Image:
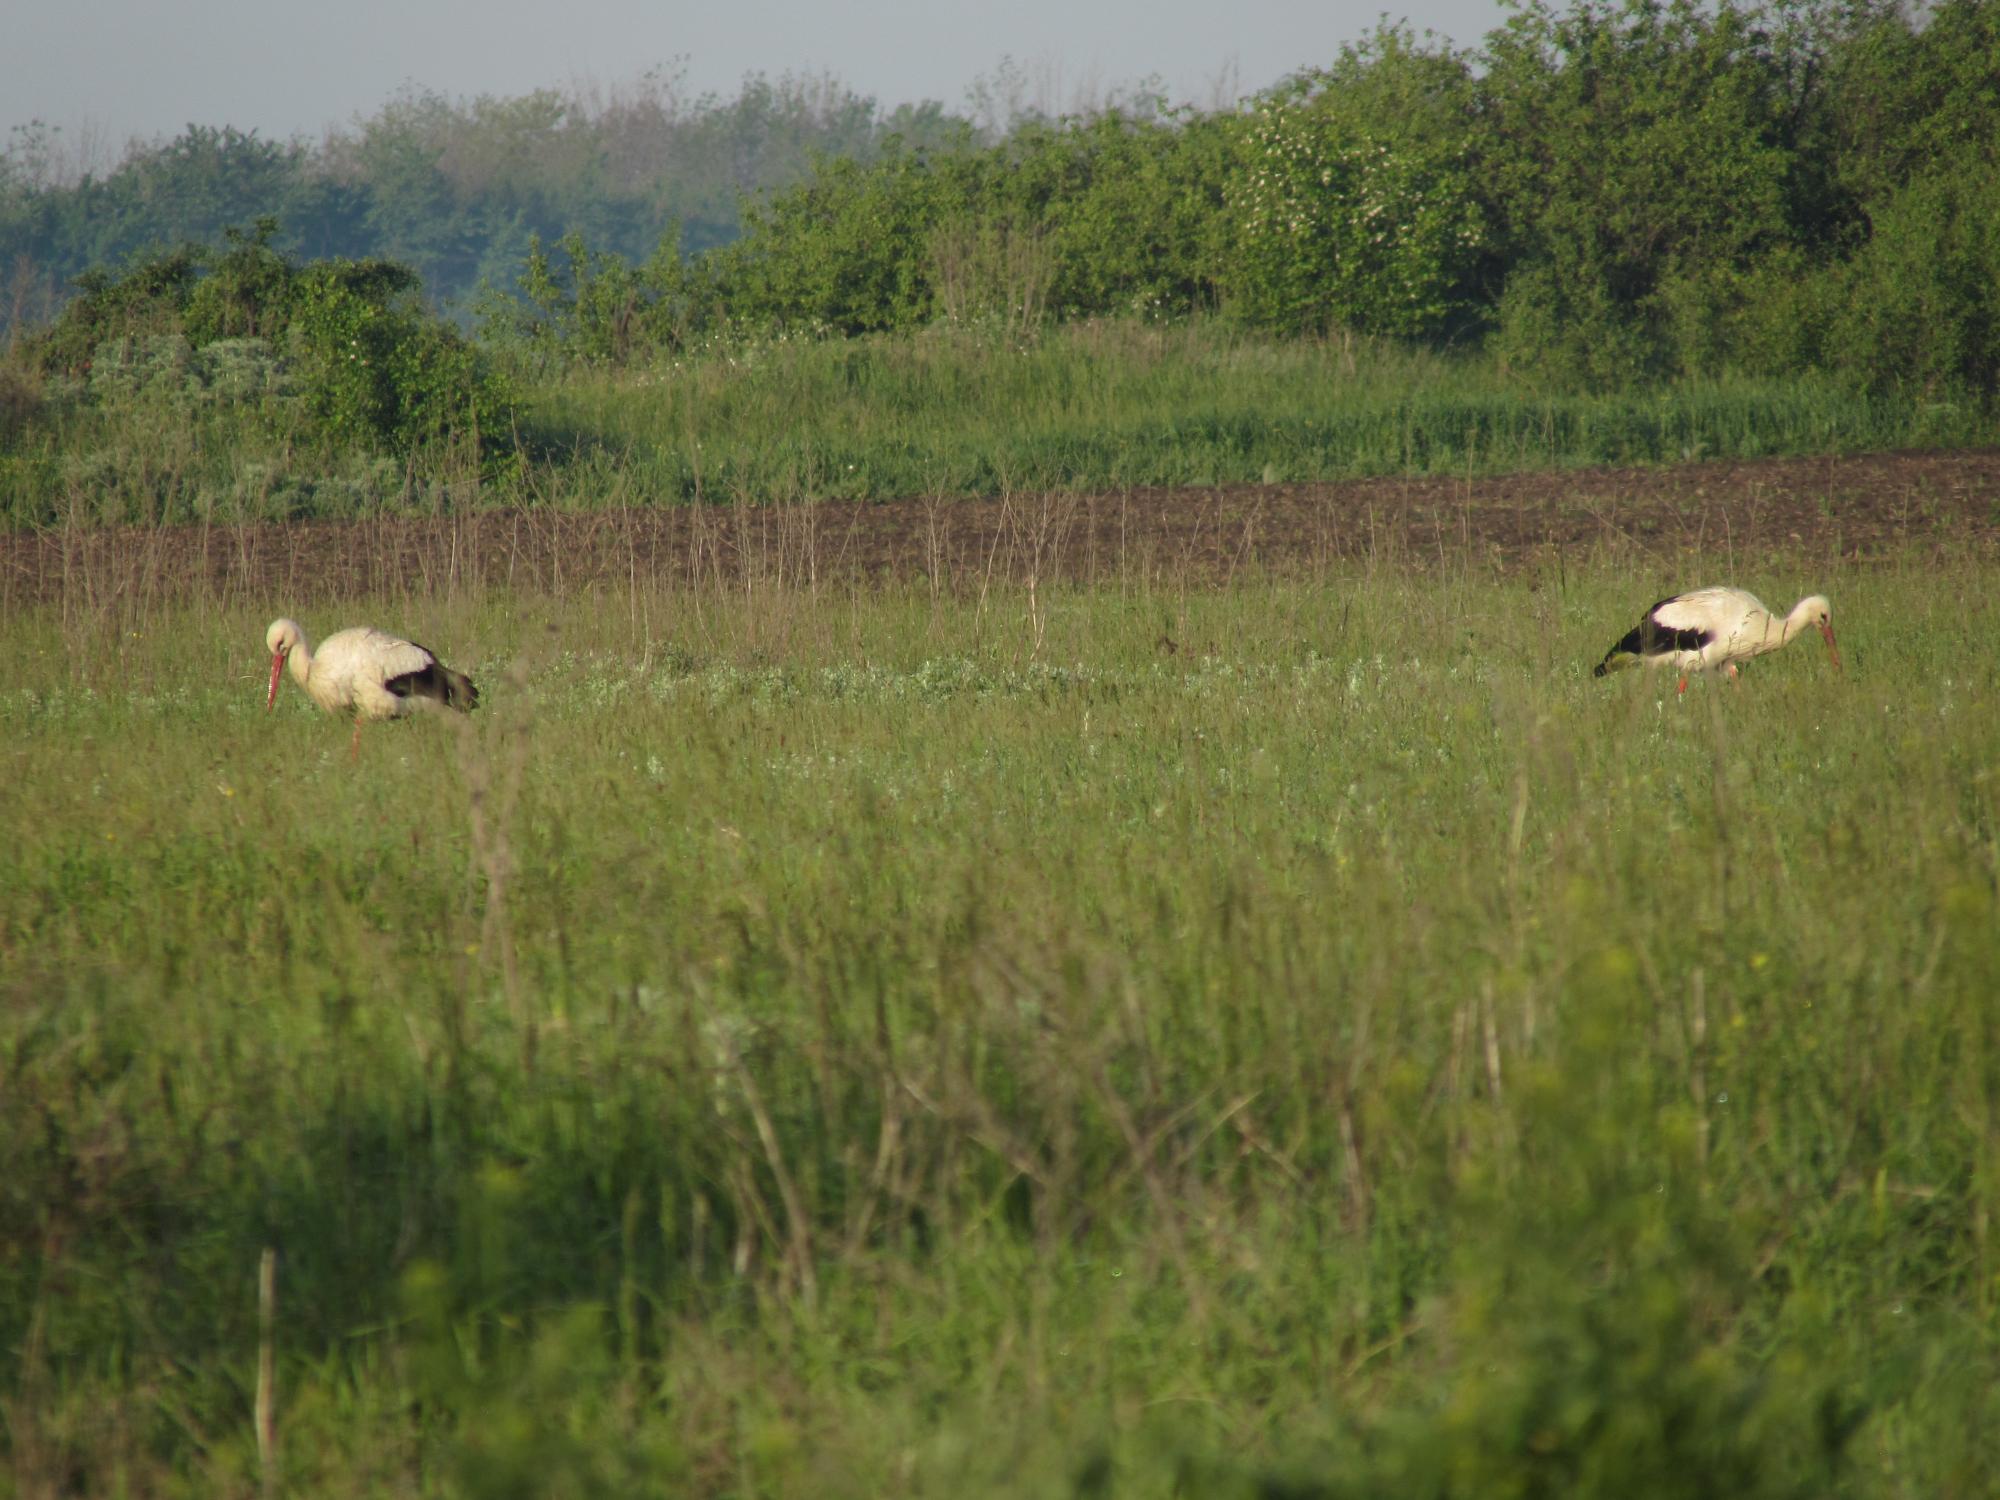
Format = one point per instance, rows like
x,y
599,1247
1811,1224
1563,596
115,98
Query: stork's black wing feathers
x,y
437,682
1651,638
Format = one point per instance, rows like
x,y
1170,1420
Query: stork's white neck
x,y
299,660
1799,618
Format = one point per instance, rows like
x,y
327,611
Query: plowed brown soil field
x,y
1859,508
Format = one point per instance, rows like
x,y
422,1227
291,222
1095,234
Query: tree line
x,y
454,189
1615,190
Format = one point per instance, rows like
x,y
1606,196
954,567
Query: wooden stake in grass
x,y
267,1369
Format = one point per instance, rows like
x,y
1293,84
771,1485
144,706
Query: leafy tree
x,y
455,189
1352,201
1905,90
841,252
1916,307
1628,143
595,307
1132,203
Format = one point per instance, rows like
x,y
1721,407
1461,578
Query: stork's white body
x,y
366,672
349,672
1713,628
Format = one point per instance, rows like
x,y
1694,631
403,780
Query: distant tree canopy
x,y
454,190
1620,189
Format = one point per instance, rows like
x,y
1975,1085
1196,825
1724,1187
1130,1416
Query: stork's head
x,y
1817,610
280,640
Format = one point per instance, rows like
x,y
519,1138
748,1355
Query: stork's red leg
x,y
354,745
1682,689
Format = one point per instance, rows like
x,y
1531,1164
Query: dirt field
x,y
1860,507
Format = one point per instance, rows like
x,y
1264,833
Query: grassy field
x,y
1291,1039
943,412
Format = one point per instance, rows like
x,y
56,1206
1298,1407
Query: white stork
x,y
366,672
1710,628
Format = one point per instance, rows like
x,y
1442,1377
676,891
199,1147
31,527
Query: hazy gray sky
x,y
105,70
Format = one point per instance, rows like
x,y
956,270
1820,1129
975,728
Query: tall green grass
x,y
157,460
1307,1038
942,412
1106,406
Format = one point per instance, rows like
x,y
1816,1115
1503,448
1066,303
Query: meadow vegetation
x,y
1299,1038
977,1035
164,432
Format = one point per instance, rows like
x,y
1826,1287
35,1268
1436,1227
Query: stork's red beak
x,y
277,666
1826,629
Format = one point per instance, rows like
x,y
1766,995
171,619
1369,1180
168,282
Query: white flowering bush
x,y
1337,229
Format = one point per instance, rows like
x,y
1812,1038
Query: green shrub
x,y
166,368
1606,192
1132,209
1340,231
1352,201
1916,307
592,307
20,398
247,292
844,251
148,299
1563,327
347,345
1624,142
379,371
